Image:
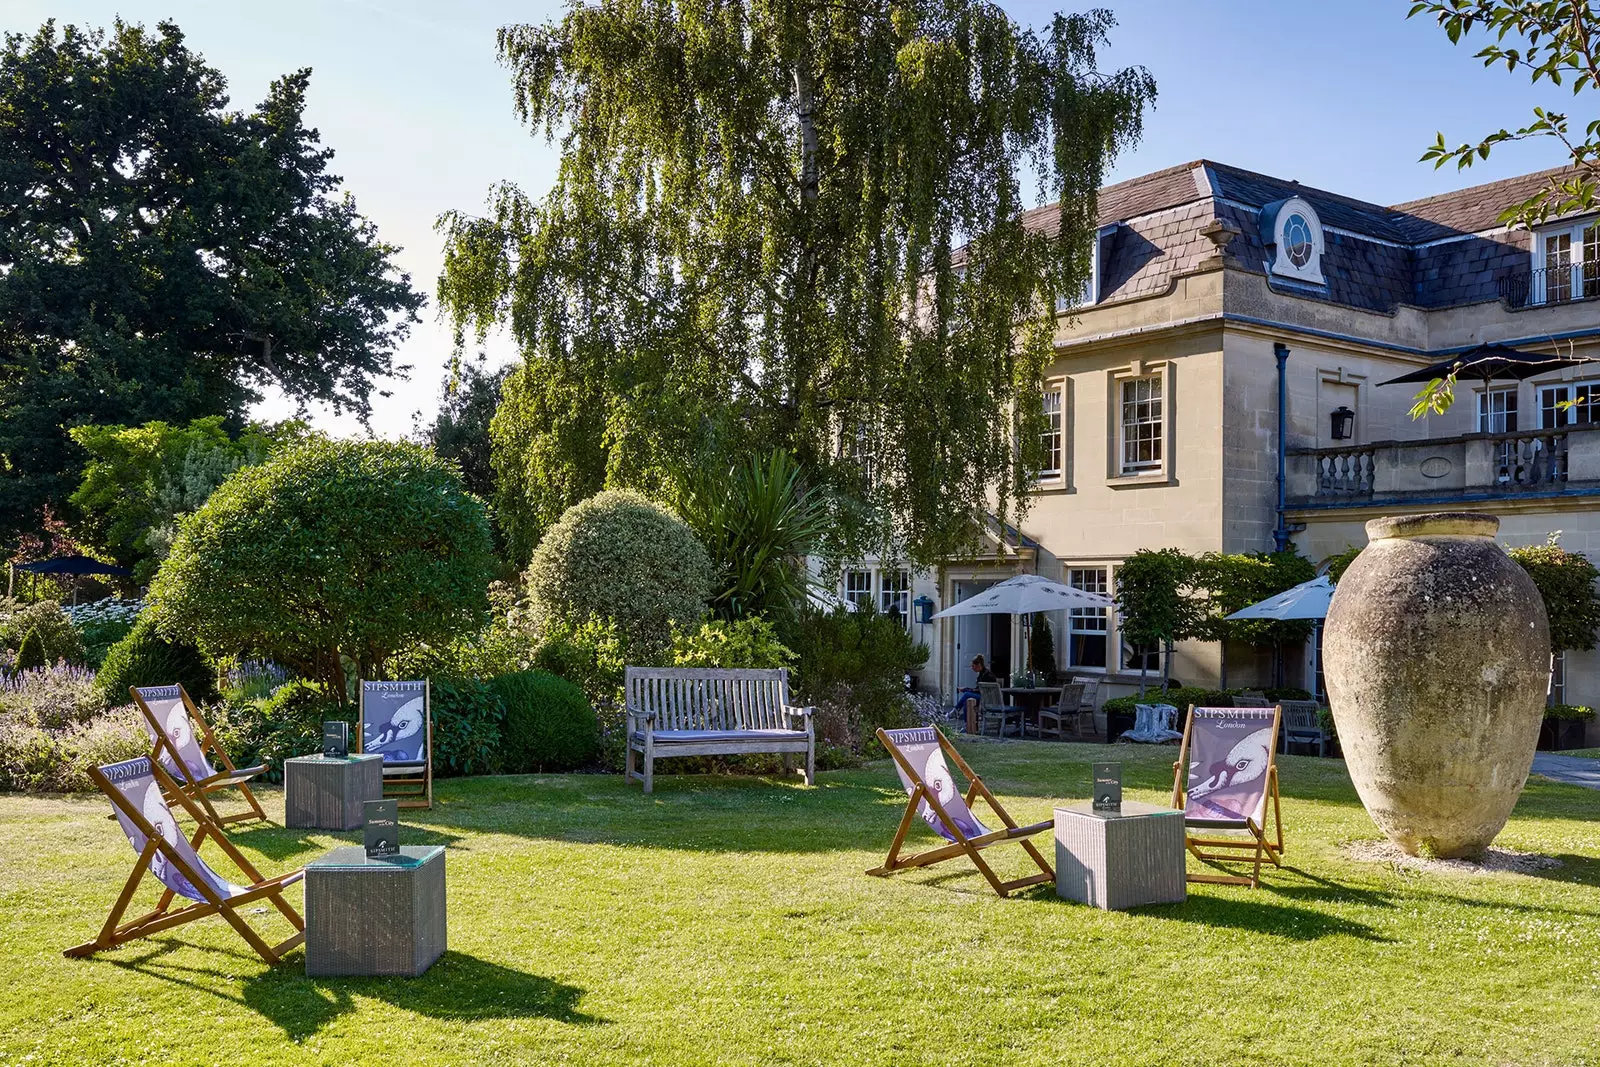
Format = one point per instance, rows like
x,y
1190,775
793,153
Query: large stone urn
x,y
1437,658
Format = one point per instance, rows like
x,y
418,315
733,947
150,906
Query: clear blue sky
x,y
1338,94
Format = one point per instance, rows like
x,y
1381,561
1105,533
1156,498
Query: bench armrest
x,y
803,714
639,720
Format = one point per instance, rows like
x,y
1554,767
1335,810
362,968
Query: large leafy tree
x,y
798,225
163,257
460,432
330,556
139,480
1551,41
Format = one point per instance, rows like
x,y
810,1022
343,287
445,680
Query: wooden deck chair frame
x,y
1255,849
971,847
116,932
412,790
199,789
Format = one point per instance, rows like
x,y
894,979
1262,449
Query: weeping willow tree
x,y
796,224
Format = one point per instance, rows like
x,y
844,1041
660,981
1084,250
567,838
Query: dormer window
x,y
1566,263
1089,295
1292,233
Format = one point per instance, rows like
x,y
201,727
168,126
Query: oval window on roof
x,y
1297,240
1293,230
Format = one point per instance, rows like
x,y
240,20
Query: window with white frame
x,y
1087,628
1569,404
857,446
894,595
1141,425
858,589
1497,410
1089,294
1052,434
1497,413
1566,263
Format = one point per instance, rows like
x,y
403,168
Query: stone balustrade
x,y
1521,462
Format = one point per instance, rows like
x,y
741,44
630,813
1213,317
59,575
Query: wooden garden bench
x,y
692,711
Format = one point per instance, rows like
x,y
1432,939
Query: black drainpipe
x,y
1280,535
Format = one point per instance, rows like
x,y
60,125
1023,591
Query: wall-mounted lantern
x,y
924,609
1344,423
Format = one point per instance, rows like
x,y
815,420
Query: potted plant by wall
x,y
1564,726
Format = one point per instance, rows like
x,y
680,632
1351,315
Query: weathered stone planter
x,y
1437,655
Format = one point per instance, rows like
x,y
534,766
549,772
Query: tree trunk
x,y
1166,666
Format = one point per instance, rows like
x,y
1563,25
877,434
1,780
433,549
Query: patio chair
x,y
1302,725
138,789
992,704
919,758
1053,717
397,723
181,739
1249,700
1091,698
1225,774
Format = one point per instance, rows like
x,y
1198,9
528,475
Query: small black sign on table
x,y
1108,787
336,740
383,828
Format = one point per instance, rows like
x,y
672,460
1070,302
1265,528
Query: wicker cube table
x,y
1117,860
375,917
327,794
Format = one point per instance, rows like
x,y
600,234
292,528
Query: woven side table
x,y
327,794
375,917
1117,860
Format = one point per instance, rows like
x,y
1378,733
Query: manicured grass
x,y
728,921
1589,753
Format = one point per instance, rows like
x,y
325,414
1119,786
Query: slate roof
x,y
1441,251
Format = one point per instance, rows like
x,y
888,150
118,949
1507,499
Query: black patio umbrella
x,y
1491,363
76,566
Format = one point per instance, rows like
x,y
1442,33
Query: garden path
x,y
1574,770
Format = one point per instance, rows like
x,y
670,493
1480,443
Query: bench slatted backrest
x,y
699,698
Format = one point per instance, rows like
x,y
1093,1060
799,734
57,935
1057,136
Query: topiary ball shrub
x,y
330,551
620,557
549,725
144,657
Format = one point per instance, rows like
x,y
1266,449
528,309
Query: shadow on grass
x,y
458,987
1258,915
281,842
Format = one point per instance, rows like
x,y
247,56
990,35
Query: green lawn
x,y
728,921
1591,753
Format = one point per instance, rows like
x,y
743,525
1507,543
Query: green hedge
x,y
144,657
549,725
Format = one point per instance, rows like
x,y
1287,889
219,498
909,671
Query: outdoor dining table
x,y
1032,699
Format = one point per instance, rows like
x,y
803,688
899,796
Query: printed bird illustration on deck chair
x,y
919,758
1225,776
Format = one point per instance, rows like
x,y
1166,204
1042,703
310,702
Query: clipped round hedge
x,y
620,557
144,657
549,725
330,548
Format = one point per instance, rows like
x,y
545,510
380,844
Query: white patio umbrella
x,y
1024,595
1308,600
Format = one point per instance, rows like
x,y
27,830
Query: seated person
x,y
968,699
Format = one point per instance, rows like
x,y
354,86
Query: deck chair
x,y
181,738
1225,775
397,723
919,755
138,789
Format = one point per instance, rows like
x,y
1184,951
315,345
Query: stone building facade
x,y
1165,393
